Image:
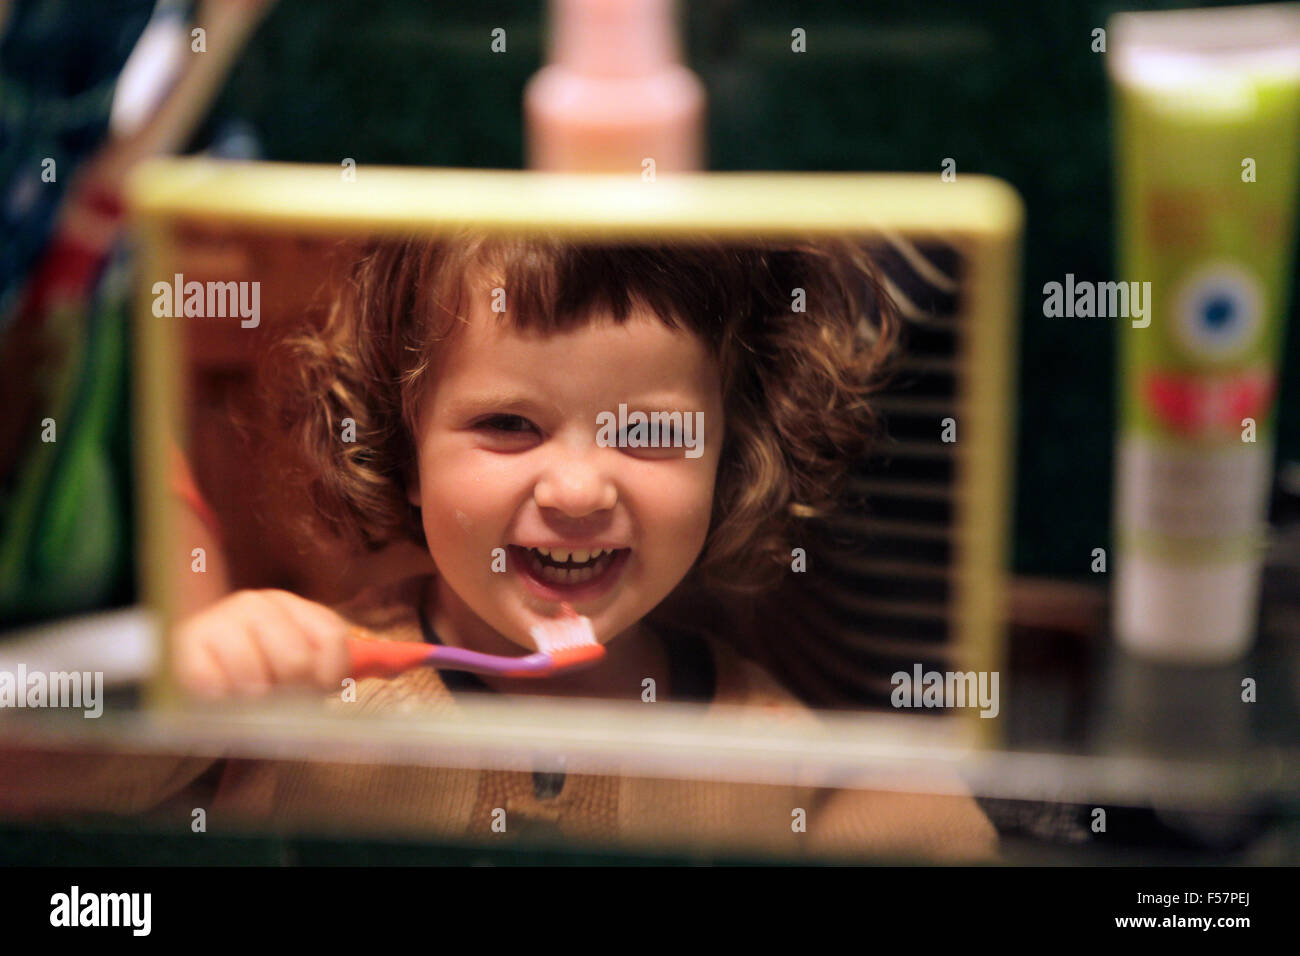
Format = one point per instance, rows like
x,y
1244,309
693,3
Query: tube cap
x,y
613,37
1188,615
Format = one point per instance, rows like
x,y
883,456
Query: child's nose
x,y
577,487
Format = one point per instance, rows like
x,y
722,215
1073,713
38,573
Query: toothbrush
x,y
564,643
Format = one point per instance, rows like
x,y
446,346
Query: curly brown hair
x,y
795,383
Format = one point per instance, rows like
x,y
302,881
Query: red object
x,y
186,489
372,658
1194,406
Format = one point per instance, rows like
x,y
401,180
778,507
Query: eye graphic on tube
x,y
1218,312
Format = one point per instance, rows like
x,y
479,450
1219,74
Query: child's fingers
x,y
244,666
197,669
326,633
333,662
285,644
254,640
309,614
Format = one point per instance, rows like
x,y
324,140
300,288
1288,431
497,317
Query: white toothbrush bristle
x,y
563,632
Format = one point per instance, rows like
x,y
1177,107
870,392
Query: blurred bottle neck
x,y
614,37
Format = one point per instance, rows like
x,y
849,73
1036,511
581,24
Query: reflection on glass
x,y
441,441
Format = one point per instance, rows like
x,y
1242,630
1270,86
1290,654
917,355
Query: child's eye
x,y
515,424
670,445
669,437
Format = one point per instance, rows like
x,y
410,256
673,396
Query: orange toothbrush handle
x,y
371,658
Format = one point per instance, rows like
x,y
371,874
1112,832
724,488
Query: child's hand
x,y
251,641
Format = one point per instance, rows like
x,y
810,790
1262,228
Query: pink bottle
x,y
615,92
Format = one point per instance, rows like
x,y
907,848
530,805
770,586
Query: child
x,y
453,398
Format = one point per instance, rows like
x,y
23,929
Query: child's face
x,y
508,459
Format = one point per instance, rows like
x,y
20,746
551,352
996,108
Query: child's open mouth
x,y
569,574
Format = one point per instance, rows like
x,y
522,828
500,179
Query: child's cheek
x,y
682,507
461,504
450,502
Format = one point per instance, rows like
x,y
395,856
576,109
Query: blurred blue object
x,y
59,65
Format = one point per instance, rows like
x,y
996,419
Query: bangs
x,y
704,288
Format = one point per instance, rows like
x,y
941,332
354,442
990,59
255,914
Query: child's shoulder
x,y
736,679
390,610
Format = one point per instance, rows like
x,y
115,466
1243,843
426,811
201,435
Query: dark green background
x,y
1011,89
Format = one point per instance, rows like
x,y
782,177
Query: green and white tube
x,y
1208,150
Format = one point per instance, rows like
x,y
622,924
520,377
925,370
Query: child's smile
x,y
569,571
523,508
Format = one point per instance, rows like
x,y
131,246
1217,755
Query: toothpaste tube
x,y
1207,106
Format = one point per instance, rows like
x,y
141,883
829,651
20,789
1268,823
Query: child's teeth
x,y
594,564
